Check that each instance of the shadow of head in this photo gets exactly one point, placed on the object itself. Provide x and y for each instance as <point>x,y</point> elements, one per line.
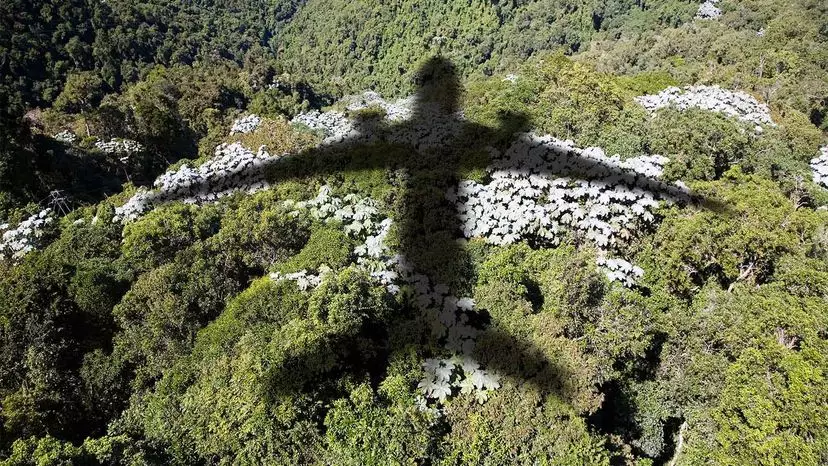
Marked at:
<point>435,102</point>
<point>438,87</point>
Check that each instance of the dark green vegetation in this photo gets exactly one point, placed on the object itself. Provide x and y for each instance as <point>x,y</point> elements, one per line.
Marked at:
<point>163,342</point>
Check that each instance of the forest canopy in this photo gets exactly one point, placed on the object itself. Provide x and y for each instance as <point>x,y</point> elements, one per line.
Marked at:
<point>434,232</point>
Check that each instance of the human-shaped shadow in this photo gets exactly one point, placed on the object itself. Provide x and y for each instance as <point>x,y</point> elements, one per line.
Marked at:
<point>430,150</point>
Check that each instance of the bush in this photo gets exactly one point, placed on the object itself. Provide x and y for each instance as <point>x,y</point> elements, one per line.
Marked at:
<point>327,246</point>
<point>158,236</point>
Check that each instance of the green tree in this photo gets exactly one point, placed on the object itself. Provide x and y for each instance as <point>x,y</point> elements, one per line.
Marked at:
<point>81,94</point>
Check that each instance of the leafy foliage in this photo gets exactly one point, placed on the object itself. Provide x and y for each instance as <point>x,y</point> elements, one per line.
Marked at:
<point>164,341</point>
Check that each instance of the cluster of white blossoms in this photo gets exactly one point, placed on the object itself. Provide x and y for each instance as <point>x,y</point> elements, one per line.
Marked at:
<point>246,124</point>
<point>530,195</point>
<point>448,319</point>
<point>399,110</point>
<point>819,166</point>
<point>540,188</point>
<point>120,146</point>
<point>358,215</point>
<point>335,126</point>
<point>140,202</point>
<point>234,168</point>
<point>709,10</point>
<point>713,98</point>
<point>18,241</point>
<point>461,373</point>
<point>544,188</point>
<point>446,315</point>
<point>432,128</point>
<point>66,136</point>
<point>304,280</point>
<point>114,146</point>
<point>360,219</point>
<point>621,271</point>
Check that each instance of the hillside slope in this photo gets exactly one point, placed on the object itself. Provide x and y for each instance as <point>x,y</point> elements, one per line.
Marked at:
<point>483,233</point>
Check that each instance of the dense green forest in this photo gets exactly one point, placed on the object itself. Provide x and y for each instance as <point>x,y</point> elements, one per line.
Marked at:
<point>588,232</point>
